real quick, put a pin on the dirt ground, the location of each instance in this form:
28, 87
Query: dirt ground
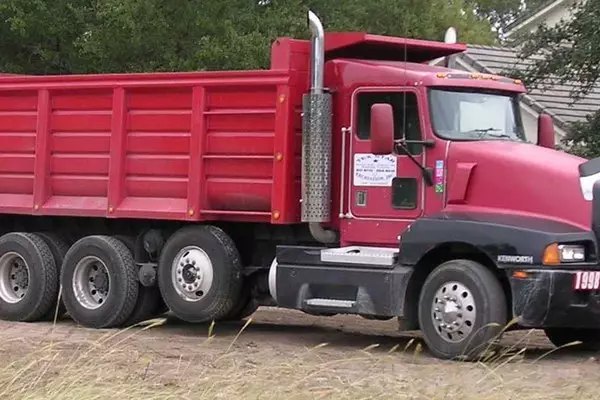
283, 354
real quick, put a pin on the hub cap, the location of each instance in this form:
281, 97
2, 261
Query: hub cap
14, 277
91, 282
192, 273
453, 312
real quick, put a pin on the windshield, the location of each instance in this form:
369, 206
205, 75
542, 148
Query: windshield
468, 115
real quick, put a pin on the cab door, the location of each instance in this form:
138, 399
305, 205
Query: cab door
386, 187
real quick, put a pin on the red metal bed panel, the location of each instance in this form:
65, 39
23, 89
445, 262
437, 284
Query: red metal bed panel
196, 146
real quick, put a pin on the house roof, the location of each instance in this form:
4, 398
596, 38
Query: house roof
554, 99
533, 14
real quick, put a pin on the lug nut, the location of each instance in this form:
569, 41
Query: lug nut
193, 262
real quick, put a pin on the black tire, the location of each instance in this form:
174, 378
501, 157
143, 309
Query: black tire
59, 247
42, 277
245, 307
589, 338
123, 289
149, 302
486, 296
216, 301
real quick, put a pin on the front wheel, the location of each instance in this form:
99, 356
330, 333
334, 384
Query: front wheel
462, 308
589, 338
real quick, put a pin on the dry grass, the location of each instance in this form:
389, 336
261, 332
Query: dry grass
109, 368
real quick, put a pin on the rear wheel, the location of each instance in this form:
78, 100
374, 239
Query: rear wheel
200, 274
28, 277
149, 302
462, 307
59, 247
99, 279
589, 338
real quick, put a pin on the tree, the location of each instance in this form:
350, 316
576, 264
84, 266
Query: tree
571, 52
40, 36
501, 13
82, 36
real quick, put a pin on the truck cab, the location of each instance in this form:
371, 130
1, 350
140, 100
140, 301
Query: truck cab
447, 217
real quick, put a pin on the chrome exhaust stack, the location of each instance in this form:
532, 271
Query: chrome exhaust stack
317, 53
316, 141
450, 37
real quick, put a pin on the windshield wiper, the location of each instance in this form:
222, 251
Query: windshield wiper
488, 131
482, 132
500, 135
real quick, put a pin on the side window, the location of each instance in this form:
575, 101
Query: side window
406, 116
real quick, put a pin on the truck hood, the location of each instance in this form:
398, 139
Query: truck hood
516, 178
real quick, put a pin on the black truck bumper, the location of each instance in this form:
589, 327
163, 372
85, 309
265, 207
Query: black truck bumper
554, 297
544, 298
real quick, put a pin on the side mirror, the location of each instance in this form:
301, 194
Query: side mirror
546, 132
382, 129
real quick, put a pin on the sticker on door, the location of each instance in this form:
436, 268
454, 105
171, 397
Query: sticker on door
439, 176
373, 170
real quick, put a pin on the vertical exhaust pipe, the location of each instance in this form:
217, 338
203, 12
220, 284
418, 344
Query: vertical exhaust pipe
316, 141
449, 37
317, 53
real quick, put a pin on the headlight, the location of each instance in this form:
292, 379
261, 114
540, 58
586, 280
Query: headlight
587, 186
556, 254
571, 253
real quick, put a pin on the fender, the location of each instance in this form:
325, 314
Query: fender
509, 240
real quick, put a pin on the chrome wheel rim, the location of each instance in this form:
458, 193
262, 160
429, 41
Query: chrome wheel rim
453, 312
91, 282
192, 273
14, 277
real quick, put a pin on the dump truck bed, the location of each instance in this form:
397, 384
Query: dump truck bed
183, 146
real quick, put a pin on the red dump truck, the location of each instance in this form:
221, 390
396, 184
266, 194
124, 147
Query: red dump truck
351, 177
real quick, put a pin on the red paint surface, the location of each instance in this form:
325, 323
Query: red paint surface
458, 187
177, 146
518, 178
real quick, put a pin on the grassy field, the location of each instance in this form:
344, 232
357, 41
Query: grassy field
277, 355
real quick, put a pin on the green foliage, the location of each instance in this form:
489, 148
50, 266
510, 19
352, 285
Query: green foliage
40, 35
501, 13
84, 36
571, 49
571, 52
583, 139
